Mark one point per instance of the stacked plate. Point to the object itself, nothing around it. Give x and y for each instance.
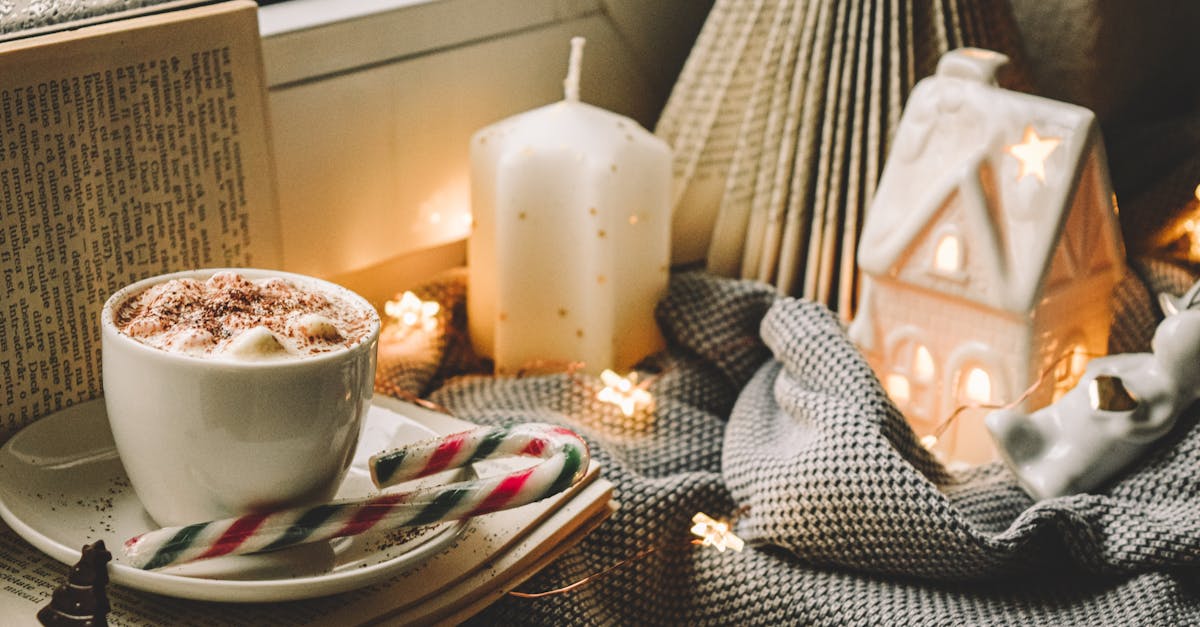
(780, 122)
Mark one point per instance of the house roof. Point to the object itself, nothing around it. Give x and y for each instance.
(1014, 161)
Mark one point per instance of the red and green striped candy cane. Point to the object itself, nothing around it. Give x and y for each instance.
(565, 460)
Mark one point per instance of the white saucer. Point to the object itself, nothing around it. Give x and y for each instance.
(62, 486)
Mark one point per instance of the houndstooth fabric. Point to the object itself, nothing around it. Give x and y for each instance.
(763, 406)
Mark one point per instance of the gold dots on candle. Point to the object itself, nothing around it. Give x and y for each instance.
(601, 234)
(502, 316)
(562, 312)
(664, 268)
(613, 167)
(633, 218)
(482, 139)
(522, 215)
(601, 279)
(593, 211)
(579, 333)
(628, 137)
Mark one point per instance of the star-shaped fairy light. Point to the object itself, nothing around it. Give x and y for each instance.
(624, 392)
(715, 533)
(1032, 153)
(412, 312)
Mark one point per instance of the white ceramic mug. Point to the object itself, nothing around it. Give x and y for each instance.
(203, 439)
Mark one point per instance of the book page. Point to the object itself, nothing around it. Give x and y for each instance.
(126, 150)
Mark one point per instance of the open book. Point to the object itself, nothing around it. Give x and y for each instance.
(139, 147)
(129, 149)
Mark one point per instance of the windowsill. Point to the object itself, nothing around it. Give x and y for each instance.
(296, 34)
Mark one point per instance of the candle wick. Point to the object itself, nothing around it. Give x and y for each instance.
(571, 82)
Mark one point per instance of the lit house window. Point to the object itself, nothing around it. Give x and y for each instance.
(948, 254)
(975, 386)
(899, 389)
(923, 364)
(911, 377)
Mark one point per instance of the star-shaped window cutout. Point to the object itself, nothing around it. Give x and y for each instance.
(1032, 153)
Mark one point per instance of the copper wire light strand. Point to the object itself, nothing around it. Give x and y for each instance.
(945, 424)
(586, 580)
(421, 402)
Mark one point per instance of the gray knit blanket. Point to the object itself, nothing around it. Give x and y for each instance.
(763, 408)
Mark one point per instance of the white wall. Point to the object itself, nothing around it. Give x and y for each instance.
(372, 112)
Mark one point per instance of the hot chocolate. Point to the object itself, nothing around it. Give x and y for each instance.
(231, 317)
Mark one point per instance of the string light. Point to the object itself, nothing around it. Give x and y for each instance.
(412, 312)
(931, 440)
(624, 392)
(629, 393)
(715, 533)
(710, 532)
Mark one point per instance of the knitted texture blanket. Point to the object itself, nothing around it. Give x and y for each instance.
(764, 408)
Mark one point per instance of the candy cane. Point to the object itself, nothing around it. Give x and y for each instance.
(565, 460)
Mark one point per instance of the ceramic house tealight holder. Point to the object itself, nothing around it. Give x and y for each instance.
(988, 254)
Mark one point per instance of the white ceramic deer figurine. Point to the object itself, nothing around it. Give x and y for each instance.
(1121, 406)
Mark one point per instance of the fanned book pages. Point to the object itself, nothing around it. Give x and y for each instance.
(780, 122)
(129, 149)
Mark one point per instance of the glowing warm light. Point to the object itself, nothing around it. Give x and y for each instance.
(947, 257)
(923, 364)
(897, 388)
(624, 392)
(1068, 372)
(1195, 193)
(437, 211)
(412, 312)
(715, 533)
(1032, 153)
(1079, 361)
(979, 386)
(1190, 228)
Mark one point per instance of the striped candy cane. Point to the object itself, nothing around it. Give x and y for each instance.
(565, 459)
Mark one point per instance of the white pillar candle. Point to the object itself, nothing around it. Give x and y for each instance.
(570, 249)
